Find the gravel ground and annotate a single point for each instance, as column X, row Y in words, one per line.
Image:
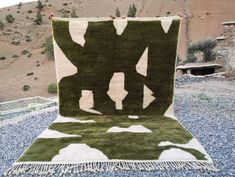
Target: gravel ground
column 205, row 106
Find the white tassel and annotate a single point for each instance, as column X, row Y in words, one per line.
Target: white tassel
column 76, row 168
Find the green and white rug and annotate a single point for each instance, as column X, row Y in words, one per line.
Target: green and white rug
column 115, row 80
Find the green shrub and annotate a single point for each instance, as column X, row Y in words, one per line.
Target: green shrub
column 118, row 14
column 30, row 11
column 24, row 52
column 1, row 25
column 9, row 18
column 28, row 40
column 73, row 13
column 65, row 4
column 2, row 58
column 205, row 46
column 19, row 5
column 52, row 88
column 29, row 55
column 15, row 42
column 48, row 46
column 40, row 6
column 38, row 19
column 15, row 56
column 26, row 88
column 132, row 11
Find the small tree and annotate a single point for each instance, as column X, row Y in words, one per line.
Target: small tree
column 118, row 14
column 205, row 46
column 48, row 46
column 73, row 13
column 39, row 6
column 9, row 18
column 38, row 19
column 132, row 11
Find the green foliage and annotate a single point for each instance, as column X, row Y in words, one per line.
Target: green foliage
column 206, row 46
column 40, row 6
column 118, row 14
column 1, row 25
column 132, row 11
column 26, row 88
column 30, row 11
column 52, row 88
column 9, row 18
column 48, row 46
column 38, row 19
column 73, row 13
column 2, row 58
column 24, row 52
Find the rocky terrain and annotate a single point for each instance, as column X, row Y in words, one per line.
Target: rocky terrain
column 22, row 58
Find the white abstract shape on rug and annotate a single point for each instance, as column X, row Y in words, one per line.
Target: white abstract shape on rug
column 86, row 102
column 117, row 90
column 61, row 119
column 120, row 25
column 192, row 144
column 77, row 30
column 132, row 128
column 166, row 23
column 142, row 65
column 176, row 154
column 63, row 66
column 133, row 117
column 148, row 97
column 170, row 112
column 79, row 153
column 55, row 134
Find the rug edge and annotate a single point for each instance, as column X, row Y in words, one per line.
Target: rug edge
column 63, row 168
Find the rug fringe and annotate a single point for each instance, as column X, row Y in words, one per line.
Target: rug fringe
column 75, row 168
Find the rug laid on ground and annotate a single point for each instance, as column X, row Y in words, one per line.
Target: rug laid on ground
column 115, row 80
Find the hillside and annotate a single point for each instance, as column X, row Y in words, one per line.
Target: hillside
column 205, row 21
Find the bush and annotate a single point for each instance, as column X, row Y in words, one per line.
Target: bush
column 132, row 11
column 15, row 42
column 1, row 25
column 26, row 88
column 9, row 18
column 15, row 56
column 118, row 14
column 24, row 52
column 19, row 5
column 40, row 6
column 30, row 11
column 52, row 88
column 48, row 46
column 28, row 40
column 65, row 4
column 2, row 58
column 30, row 74
column 73, row 13
column 205, row 46
column 38, row 19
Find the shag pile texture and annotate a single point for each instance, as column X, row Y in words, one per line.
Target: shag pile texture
column 115, row 80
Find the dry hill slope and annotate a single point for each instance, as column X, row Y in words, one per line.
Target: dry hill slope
column 206, row 19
